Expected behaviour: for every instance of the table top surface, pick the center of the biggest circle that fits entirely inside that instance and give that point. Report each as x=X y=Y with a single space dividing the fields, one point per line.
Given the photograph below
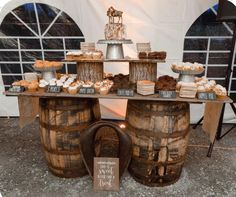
x=74 y=59
x=136 y=96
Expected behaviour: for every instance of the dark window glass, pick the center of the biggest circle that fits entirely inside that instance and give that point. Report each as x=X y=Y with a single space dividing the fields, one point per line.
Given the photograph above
x=26 y=13
x=233 y=85
x=8 y=80
x=46 y=15
x=11 y=26
x=28 y=56
x=54 y=56
x=30 y=44
x=9 y=56
x=10 y=68
x=216 y=71
x=64 y=26
x=218 y=58
x=8 y=43
x=206 y=25
x=221 y=82
x=220 y=44
x=195 y=57
x=52 y=44
x=195 y=44
x=234 y=72
x=28 y=68
x=72 y=68
x=233 y=97
x=73 y=43
x=63 y=70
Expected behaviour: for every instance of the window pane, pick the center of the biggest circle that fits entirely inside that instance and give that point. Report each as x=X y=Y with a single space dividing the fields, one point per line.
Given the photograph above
x=218 y=58
x=27 y=13
x=64 y=26
x=220 y=44
x=54 y=56
x=10 y=68
x=195 y=44
x=52 y=44
x=63 y=70
x=206 y=25
x=72 y=68
x=28 y=68
x=73 y=43
x=234 y=72
x=29 y=56
x=216 y=71
x=195 y=57
x=233 y=96
x=8 y=43
x=13 y=27
x=8 y=80
x=221 y=82
x=233 y=85
x=9 y=56
x=30 y=44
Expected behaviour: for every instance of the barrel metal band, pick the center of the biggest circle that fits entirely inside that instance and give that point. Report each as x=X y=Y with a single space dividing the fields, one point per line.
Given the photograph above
x=156 y=163
x=156 y=134
x=61 y=152
x=66 y=108
x=61 y=128
x=156 y=113
x=66 y=169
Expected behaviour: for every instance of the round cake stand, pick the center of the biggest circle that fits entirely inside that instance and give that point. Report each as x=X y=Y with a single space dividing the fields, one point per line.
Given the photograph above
x=187 y=76
x=48 y=73
x=115 y=48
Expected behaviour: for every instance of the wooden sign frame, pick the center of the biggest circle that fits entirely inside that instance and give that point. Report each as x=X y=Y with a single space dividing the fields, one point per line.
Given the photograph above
x=106 y=174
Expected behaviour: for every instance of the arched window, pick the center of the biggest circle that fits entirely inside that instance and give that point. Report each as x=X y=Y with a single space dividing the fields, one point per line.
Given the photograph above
x=208 y=42
x=35 y=31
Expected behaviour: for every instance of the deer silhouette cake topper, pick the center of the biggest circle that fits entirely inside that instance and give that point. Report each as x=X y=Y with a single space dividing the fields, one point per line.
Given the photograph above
x=112 y=13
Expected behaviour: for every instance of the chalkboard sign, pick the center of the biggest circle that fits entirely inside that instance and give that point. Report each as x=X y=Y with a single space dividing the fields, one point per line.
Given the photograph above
x=125 y=92
x=106 y=174
x=16 y=89
x=206 y=95
x=87 y=90
x=54 y=89
x=167 y=94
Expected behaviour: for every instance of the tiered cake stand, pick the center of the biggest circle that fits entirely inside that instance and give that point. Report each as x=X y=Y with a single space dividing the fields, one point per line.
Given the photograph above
x=115 y=48
x=48 y=73
x=187 y=75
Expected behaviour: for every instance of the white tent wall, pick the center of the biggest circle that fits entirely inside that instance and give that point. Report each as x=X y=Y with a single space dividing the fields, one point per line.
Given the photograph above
x=163 y=23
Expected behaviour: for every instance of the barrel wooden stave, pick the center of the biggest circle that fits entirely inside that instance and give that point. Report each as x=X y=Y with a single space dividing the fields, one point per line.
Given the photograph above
x=159 y=133
x=61 y=123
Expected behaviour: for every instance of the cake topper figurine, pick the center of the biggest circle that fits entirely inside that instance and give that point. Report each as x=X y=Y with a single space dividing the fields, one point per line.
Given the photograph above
x=112 y=13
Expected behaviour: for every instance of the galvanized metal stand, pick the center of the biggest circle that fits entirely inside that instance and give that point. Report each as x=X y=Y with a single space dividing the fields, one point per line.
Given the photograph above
x=115 y=48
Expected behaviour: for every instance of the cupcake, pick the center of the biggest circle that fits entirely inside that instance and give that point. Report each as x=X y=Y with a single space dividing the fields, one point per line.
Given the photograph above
x=97 y=86
x=65 y=87
x=88 y=84
x=220 y=91
x=73 y=89
x=104 y=90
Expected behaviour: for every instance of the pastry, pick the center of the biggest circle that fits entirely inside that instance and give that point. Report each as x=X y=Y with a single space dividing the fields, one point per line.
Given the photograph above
x=161 y=55
x=220 y=91
x=145 y=87
x=73 y=89
x=142 y=55
x=104 y=90
x=166 y=82
x=33 y=87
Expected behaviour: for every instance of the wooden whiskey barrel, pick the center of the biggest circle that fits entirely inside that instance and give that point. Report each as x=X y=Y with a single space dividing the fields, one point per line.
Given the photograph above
x=159 y=133
x=62 y=120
